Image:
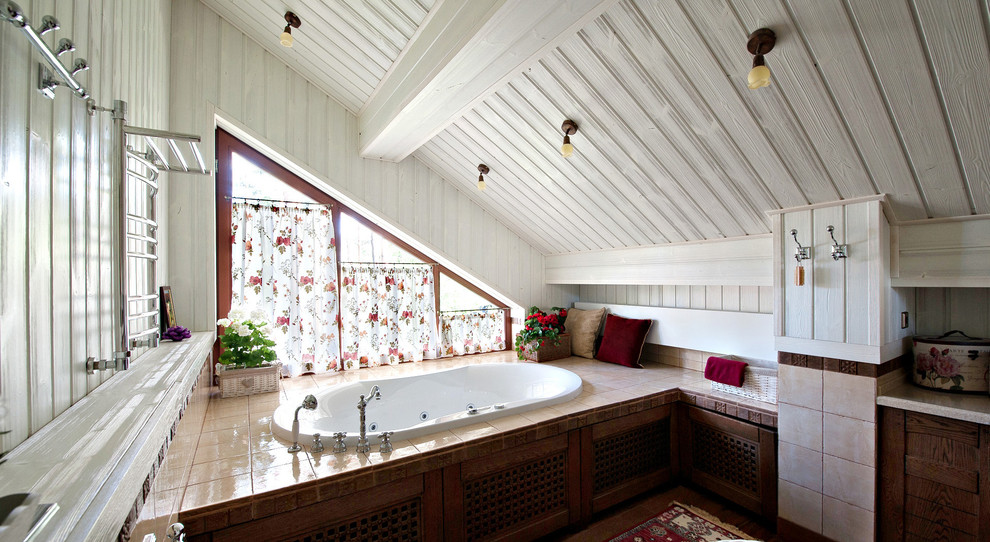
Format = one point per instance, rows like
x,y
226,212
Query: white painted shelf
x,y
93,458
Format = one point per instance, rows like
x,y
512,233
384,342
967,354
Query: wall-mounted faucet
x,y
363,446
309,403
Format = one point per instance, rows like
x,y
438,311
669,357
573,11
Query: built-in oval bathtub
x,y
416,405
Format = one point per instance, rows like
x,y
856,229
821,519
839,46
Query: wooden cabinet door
x,y
933,478
733,458
626,456
517,494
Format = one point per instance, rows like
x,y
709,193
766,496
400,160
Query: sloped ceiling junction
x,y
867,97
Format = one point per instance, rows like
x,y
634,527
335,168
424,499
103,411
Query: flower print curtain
x,y
387,314
471,332
284,264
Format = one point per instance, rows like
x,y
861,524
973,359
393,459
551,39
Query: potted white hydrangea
x,y
246,365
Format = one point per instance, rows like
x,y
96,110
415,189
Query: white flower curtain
x,y
284,264
387,314
471,332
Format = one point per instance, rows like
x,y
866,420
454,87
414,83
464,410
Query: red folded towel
x,y
725,371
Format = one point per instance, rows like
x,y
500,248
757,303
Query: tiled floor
x,y
226,450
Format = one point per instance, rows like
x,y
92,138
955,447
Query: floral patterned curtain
x,y
387,314
471,332
284,264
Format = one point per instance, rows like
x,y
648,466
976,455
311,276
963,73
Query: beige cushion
x,y
583,327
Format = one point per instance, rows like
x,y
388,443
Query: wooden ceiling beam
x,y
463,52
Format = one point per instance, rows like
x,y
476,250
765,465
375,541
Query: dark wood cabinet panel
x,y
733,458
934,474
627,456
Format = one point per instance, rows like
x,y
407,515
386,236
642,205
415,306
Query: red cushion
x,y
623,340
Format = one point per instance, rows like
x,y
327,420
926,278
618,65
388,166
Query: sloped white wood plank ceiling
x,y
867,97
345,47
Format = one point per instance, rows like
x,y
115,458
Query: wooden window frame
x,y
226,145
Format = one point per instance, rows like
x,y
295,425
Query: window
x,y
371,268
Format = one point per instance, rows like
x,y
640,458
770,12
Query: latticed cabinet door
x,y
517,494
733,458
626,456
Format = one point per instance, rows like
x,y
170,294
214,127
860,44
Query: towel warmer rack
x,y
135,178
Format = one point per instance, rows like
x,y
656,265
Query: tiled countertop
x,y
235,456
965,407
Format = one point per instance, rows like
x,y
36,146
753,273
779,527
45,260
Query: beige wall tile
x,y
851,396
844,522
849,482
850,439
799,386
799,425
800,506
800,465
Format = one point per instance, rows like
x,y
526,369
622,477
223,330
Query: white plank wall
x,y
56,204
943,309
758,299
218,69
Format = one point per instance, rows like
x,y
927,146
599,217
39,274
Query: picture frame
x,y
166,308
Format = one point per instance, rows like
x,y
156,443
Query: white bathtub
x,y
417,405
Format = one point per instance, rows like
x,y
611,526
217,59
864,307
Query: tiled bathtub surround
x,y
236,458
827,448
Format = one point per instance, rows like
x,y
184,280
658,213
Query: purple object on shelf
x,y
176,333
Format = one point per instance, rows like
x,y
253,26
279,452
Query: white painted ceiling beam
x,y
463,52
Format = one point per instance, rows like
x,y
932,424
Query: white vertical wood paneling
x,y
943,309
856,234
317,137
798,305
55,209
714,298
830,276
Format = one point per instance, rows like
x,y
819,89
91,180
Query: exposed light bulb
x,y
759,76
481,182
567,150
286,38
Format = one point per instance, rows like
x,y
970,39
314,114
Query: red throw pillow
x,y
623,340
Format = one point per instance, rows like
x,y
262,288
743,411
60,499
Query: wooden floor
x,y
625,516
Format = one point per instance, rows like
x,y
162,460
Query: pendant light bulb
x,y
567,150
570,128
291,21
759,76
760,43
482,170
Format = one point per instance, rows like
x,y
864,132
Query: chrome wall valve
x,y
339,446
386,446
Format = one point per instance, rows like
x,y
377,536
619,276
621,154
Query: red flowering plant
x,y
540,329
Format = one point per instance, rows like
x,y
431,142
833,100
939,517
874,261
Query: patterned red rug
x,y
680,523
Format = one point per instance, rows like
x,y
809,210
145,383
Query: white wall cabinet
x,y
846,308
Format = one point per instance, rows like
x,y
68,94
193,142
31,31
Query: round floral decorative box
x,y
952,363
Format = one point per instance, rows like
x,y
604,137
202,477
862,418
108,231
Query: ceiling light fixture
x,y
483,170
760,43
292,21
570,128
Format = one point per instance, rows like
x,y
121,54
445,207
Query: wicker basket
x,y
758,383
549,351
238,382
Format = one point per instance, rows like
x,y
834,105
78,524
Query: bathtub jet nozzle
x,y
309,403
